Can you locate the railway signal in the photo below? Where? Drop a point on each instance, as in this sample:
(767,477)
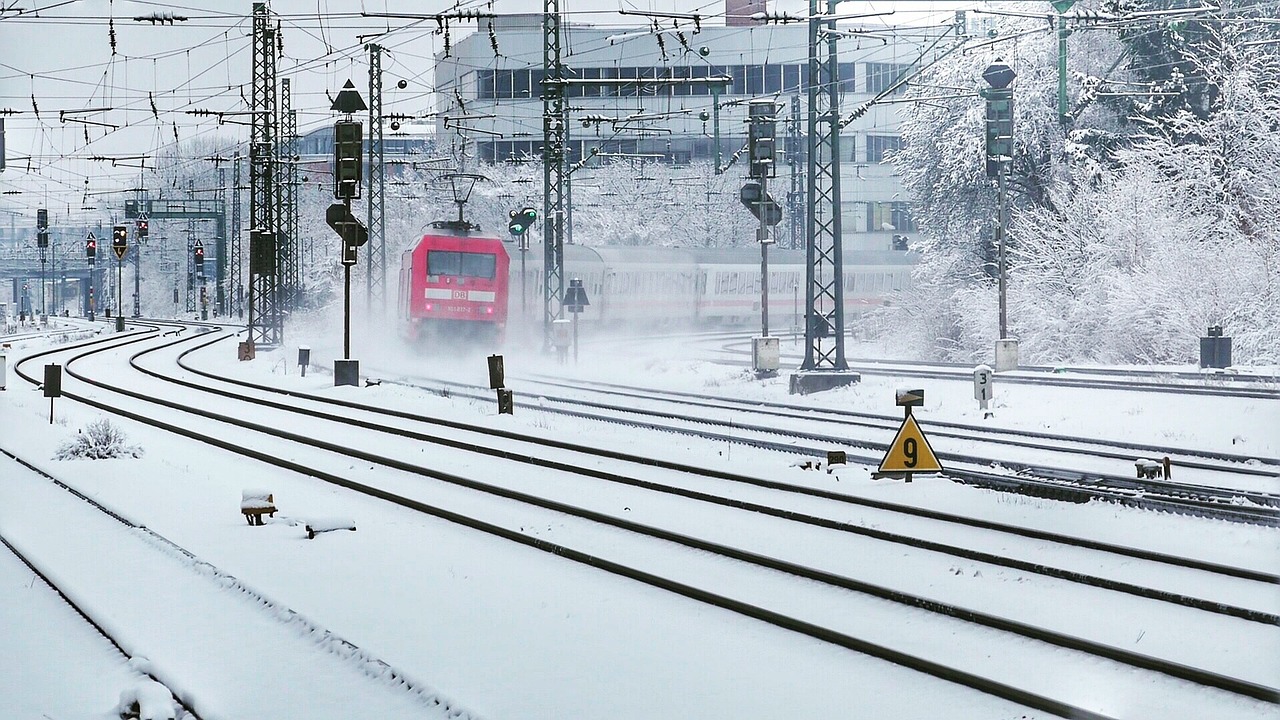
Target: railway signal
(349,228)
(91,248)
(348,144)
(521,221)
(120,240)
(197,251)
(761,139)
(767,210)
(143,228)
(42,228)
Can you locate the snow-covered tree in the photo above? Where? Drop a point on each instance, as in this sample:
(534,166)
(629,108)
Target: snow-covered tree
(1148,218)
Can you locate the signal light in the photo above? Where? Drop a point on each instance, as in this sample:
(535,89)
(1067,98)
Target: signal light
(199,256)
(42,228)
(143,230)
(521,221)
(91,248)
(120,240)
(348,144)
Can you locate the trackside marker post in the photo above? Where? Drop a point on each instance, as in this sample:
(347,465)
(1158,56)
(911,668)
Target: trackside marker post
(52,385)
(910,451)
(982,392)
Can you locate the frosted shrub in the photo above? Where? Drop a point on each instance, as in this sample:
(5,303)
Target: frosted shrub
(97,441)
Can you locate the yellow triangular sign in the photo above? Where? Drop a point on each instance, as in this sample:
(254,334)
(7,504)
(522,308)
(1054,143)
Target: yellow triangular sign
(910,451)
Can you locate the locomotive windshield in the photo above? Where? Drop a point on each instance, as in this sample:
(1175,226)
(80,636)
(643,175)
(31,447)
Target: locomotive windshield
(476,265)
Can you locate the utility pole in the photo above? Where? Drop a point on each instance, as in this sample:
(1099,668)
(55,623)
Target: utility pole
(1062,6)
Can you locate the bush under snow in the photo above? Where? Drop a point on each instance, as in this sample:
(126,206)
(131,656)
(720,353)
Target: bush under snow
(97,441)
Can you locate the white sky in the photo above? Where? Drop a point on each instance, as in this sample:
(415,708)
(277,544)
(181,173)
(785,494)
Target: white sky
(62,58)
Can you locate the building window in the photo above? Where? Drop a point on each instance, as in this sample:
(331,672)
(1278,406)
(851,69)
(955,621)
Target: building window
(484,84)
(882,75)
(847,85)
(880,145)
(892,217)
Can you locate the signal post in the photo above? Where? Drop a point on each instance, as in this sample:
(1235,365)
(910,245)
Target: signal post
(348,142)
(762,149)
(120,246)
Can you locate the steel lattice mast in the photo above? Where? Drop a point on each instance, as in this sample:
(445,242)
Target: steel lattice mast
(376,251)
(235,260)
(795,156)
(824,298)
(286,238)
(266,319)
(555,128)
(219,291)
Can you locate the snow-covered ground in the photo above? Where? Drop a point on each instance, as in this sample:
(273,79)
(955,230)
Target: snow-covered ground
(501,631)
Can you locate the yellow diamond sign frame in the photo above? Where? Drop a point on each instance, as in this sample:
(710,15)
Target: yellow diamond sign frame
(910,451)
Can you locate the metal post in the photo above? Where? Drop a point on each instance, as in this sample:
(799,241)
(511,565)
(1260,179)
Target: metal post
(575,338)
(1062,6)
(91,300)
(137,276)
(764,260)
(524,296)
(346,311)
(119,293)
(715,125)
(1002,215)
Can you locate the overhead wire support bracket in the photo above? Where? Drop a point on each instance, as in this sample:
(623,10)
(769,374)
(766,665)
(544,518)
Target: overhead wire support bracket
(161,18)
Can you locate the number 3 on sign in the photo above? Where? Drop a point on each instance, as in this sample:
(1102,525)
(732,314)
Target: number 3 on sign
(910,451)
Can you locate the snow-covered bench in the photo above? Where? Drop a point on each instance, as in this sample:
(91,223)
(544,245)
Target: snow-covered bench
(256,503)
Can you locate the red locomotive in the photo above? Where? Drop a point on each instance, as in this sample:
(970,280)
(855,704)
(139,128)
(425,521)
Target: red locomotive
(453,286)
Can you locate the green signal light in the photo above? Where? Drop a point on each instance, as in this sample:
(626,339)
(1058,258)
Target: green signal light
(521,220)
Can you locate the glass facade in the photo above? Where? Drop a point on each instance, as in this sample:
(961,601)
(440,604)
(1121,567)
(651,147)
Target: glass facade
(879,145)
(882,75)
(747,80)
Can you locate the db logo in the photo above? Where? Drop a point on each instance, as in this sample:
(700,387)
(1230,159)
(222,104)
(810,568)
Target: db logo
(459,294)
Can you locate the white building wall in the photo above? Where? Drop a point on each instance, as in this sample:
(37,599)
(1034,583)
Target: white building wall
(514,118)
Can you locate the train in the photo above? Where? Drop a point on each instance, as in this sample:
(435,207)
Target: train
(462,285)
(453,284)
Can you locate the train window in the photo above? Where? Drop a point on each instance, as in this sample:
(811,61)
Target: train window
(479,265)
(441,262)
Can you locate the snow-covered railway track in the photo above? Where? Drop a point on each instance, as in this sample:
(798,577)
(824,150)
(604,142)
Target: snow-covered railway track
(737,352)
(158,698)
(1023,471)
(833,580)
